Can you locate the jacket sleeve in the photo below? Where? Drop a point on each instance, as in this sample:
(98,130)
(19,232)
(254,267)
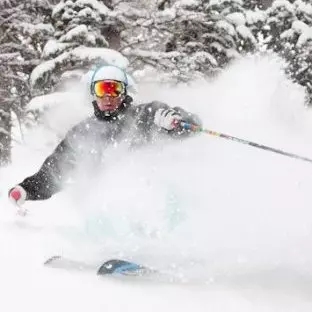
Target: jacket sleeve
(53,172)
(148,112)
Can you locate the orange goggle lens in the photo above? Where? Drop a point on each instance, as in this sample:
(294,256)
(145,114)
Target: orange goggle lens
(108,88)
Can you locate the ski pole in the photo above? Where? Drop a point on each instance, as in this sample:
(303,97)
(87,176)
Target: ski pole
(195,128)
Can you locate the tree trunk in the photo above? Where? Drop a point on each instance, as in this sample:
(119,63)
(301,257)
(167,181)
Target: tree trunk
(5,135)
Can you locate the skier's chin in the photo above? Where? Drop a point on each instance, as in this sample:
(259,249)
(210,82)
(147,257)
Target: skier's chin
(108,109)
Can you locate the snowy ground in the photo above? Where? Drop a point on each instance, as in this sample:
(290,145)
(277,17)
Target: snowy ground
(232,223)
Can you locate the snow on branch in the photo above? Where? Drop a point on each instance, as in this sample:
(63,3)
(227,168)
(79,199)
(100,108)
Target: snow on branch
(80,54)
(11,46)
(94,4)
(203,56)
(32,29)
(236,18)
(187,3)
(298,28)
(246,33)
(303,7)
(282,4)
(58,8)
(304,30)
(80,30)
(253,17)
(4,57)
(226,26)
(82,34)
(52,47)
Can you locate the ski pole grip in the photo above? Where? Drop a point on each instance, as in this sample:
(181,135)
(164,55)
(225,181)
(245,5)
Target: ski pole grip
(191,127)
(186,125)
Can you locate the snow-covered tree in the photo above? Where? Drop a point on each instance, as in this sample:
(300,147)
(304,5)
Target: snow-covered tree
(23,27)
(290,24)
(186,39)
(82,29)
(280,17)
(232,22)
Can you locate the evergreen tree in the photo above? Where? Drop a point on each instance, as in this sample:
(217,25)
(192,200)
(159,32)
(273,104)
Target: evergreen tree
(187,39)
(78,25)
(290,24)
(23,27)
(280,17)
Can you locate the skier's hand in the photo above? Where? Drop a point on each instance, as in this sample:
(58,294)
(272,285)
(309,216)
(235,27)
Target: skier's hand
(17,195)
(167,118)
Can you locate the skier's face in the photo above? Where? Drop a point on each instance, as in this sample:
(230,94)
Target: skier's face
(108,103)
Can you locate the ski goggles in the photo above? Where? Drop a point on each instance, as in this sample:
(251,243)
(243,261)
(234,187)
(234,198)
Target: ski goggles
(108,88)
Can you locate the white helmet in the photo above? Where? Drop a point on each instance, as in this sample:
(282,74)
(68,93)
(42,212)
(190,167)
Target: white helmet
(110,72)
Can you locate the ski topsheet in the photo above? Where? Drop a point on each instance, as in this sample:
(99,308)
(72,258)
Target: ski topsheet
(115,267)
(122,267)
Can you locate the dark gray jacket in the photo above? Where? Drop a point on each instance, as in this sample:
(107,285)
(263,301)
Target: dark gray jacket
(87,142)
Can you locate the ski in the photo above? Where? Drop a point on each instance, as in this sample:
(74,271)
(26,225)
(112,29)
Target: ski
(122,267)
(114,267)
(60,262)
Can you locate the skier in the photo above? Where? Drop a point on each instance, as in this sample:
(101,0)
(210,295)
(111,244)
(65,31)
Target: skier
(115,120)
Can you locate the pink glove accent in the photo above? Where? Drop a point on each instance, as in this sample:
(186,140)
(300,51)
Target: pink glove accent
(16,194)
